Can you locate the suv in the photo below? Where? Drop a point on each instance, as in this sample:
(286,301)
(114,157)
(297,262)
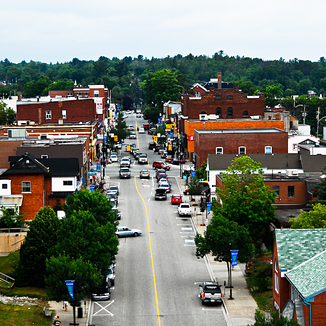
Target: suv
(124,173)
(161,165)
(160,193)
(125,162)
(142,159)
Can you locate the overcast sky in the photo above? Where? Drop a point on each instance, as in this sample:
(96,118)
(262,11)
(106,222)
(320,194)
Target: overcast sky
(60,30)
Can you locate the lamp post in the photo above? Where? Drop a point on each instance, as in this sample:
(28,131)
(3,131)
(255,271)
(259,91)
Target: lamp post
(304,113)
(318,120)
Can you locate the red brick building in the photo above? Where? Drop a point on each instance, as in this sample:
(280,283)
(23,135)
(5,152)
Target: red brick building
(65,111)
(238,141)
(40,182)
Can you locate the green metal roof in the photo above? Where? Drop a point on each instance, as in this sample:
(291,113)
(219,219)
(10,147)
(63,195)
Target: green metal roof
(309,277)
(296,246)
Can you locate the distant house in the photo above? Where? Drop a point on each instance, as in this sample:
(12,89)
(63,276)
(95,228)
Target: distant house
(299,275)
(36,183)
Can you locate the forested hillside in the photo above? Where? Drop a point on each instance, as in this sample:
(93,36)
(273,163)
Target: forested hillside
(119,75)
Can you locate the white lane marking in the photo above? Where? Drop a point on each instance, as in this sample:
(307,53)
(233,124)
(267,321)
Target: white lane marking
(103,308)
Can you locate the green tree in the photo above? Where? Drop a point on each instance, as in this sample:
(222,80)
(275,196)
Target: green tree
(94,202)
(220,237)
(61,268)
(245,198)
(162,86)
(40,240)
(10,217)
(315,219)
(201,174)
(152,114)
(273,94)
(7,115)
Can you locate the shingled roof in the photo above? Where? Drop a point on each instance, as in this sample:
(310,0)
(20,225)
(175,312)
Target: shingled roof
(309,277)
(296,246)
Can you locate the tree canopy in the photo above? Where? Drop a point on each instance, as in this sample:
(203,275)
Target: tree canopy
(245,198)
(315,219)
(7,115)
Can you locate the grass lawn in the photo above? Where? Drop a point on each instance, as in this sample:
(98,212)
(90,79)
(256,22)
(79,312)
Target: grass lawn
(264,300)
(11,315)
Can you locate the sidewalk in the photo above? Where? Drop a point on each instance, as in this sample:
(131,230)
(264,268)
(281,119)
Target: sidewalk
(66,317)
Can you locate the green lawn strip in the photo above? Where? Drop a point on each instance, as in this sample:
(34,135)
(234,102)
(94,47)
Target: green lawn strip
(12,315)
(6,265)
(264,300)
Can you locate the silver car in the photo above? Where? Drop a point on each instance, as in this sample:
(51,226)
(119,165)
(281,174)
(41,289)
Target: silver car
(123,231)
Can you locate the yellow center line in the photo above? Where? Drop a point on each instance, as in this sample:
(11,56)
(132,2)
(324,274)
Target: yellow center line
(150,248)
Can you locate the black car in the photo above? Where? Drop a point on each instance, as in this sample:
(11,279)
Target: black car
(160,193)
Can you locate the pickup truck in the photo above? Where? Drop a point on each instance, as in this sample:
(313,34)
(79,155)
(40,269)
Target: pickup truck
(184,209)
(210,292)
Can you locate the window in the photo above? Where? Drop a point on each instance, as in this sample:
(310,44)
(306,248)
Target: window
(276,189)
(268,150)
(276,282)
(295,147)
(48,114)
(219,112)
(291,191)
(230,112)
(67,182)
(229,97)
(197,94)
(4,186)
(26,186)
(64,114)
(294,293)
(96,93)
(242,150)
(245,113)
(218,97)
(44,156)
(219,150)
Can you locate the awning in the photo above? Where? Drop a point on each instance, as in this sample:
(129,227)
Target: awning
(11,200)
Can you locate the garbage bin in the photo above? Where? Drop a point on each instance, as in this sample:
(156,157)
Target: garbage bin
(80,312)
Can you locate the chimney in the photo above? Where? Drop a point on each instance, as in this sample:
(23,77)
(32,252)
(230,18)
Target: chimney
(219,80)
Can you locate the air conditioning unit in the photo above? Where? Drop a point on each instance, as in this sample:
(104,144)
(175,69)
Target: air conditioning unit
(203,117)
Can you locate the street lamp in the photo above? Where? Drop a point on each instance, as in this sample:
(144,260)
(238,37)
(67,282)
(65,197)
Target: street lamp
(304,113)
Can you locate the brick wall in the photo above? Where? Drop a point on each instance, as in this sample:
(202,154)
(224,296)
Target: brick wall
(79,110)
(190,126)
(218,98)
(32,202)
(8,148)
(230,142)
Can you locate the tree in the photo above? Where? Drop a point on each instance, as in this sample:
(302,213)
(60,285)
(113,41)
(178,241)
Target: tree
(201,173)
(7,115)
(245,198)
(162,86)
(221,236)
(94,202)
(10,217)
(315,219)
(40,240)
(273,93)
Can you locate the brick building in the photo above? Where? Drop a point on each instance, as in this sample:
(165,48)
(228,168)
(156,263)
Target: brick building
(299,286)
(238,141)
(65,111)
(40,182)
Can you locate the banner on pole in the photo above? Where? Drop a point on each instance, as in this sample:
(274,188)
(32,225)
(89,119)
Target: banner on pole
(234,257)
(209,206)
(70,287)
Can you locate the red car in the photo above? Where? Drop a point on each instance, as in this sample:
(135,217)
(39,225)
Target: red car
(176,199)
(254,262)
(161,165)
(169,159)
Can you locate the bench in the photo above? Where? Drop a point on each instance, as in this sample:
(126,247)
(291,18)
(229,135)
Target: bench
(46,312)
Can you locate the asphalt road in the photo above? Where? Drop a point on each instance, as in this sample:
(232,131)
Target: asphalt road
(157,274)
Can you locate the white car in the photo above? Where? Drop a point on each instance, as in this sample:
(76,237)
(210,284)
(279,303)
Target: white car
(184,209)
(123,231)
(113,158)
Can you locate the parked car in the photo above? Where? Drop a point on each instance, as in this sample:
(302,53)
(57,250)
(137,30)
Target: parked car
(123,231)
(124,173)
(165,186)
(210,292)
(176,199)
(114,157)
(103,292)
(144,174)
(111,276)
(117,212)
(112,194)
(184,209)
(160,193)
